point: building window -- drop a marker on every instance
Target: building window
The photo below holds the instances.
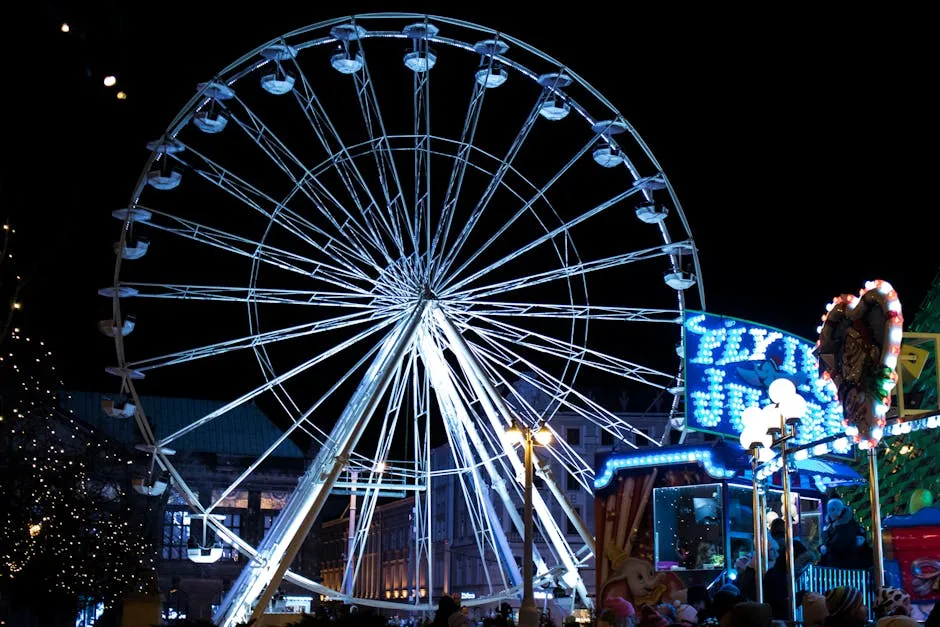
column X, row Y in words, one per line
column 607, row 438
column 571, row 483
column 572, row 530
column 641, row 440
column 573, row 436
column 175, row 534
column 269, row 521
column 234, row 523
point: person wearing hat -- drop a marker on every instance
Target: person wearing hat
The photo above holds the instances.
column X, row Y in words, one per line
column 892, row 602
column 846, row 608
column 898, row 621
column 814, row 610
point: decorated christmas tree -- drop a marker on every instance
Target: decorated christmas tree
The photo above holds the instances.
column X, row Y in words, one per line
column 71, row 532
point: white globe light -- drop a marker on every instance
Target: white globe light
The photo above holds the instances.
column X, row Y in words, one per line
column 771, row 417
column 767, row 440
column 754, row 435
column 781, row 389
column 751, row 417
column 793, row 407
column 765, row 455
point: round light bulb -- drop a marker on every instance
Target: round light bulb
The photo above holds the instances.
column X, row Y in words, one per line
column 751, row 417
column 110, row 81
column 793, row 407
column 771, row 417
column 543, row 436
column 781, row 389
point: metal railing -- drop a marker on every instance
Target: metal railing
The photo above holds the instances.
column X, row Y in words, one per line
column 819, row 579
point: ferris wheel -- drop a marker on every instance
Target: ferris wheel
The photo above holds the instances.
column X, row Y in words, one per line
column 407, row 229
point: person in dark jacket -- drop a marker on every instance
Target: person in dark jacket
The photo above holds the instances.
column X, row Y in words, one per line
column 843, row 538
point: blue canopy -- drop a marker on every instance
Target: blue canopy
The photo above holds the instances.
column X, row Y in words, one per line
column 837, row 473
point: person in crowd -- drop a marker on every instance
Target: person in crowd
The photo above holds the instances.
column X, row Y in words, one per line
column 446, row 607
column 686, row 615
column 892, row 602
column 814, row 609
column 698, row 597
column 748, row 614
column 649, row 617
column 898, row 621
column 724, row 600
column 801, row 555
column 846, row 608
column 844, row 544
column 667, row 611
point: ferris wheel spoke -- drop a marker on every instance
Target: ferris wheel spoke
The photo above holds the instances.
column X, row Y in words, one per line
column 460, row 436
column 257, row 295
column 306, row 365
column 518, row 214
column 345, row 166
column 422, row 153
column 304, row 180
column 260, row 339
column 461, row 160
column 499, row 356
column 575, row 270
column 384, row 158
column 517, row 336
column 491, row 188
column 547, row 237
column 264, row 204
column 567, row 312
column 243, row 246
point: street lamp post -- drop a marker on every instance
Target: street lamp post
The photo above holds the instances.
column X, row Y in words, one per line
column 528, row 612
column 780, row 419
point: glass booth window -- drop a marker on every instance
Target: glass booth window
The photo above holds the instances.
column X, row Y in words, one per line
column 741, row 522
column 689, row 525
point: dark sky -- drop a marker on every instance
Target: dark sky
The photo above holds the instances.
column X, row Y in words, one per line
column 798, row 142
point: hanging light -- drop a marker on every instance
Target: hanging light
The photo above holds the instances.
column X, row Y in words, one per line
column 543, row 435
column 515, row 434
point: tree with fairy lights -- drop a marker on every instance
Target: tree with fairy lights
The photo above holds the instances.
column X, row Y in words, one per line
column 72, row 532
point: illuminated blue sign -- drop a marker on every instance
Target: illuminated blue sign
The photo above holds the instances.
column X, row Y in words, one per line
column 730, row 363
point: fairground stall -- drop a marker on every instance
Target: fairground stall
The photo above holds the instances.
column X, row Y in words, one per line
column 672, row 517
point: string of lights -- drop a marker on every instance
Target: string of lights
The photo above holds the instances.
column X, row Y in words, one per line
column 71, row 528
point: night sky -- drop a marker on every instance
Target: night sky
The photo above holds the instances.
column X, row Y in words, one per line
column 798, row 144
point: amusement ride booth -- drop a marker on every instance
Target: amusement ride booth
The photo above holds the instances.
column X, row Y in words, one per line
column 782, row 417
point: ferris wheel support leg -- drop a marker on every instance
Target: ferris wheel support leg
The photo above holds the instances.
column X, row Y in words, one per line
column 435, row 363
column 548, row 478
column 283, row 541
column 494, row 406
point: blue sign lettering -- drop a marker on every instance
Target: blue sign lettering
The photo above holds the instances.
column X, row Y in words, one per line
column 730, row 363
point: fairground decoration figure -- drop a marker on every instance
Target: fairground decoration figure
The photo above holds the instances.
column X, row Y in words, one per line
column 858, row 347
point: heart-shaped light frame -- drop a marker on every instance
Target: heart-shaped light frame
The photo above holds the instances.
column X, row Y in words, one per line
column 865, row 390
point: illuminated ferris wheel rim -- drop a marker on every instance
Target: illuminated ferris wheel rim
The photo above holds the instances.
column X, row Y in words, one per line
column 255, row 60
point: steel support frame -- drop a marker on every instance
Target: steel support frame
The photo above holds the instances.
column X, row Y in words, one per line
column 494, row 406
column 283, row 541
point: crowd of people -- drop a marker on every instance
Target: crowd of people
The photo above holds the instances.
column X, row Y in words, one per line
column 843, row 545
column 839, row 607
